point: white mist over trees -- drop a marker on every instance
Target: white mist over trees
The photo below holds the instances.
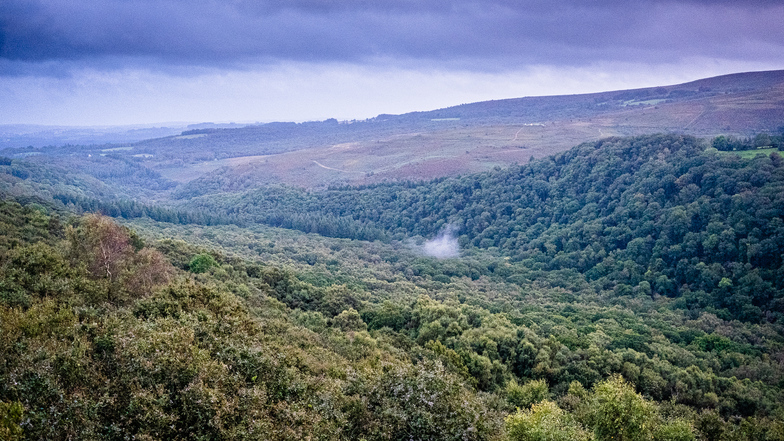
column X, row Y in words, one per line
column 444, row 245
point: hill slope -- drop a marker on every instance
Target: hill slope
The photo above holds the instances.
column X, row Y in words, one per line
column 655, row 214
column 477, row 137
column 160, row 339
column 462, row 139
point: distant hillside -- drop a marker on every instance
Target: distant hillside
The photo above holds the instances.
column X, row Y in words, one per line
column 479, row 136
column 718, row 91
column 446, row 142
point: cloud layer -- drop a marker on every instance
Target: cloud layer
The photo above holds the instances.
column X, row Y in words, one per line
column 141, row 61
column 479, row 35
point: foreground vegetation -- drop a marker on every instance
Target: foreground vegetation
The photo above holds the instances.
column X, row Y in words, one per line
column 105, row 336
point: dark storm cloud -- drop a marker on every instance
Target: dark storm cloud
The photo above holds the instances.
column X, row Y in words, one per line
column 41, row 35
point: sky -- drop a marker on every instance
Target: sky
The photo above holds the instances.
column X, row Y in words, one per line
column 115, row 62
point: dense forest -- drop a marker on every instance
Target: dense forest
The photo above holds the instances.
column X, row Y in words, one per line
column 108, row 336
column 627, row 289
column 655, row 216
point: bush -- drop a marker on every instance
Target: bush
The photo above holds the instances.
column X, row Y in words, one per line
column 201, row 263
column 545, row 421
column 10, row 418
column 528, row 394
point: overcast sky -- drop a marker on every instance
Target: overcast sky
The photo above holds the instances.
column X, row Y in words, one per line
column 102, row 62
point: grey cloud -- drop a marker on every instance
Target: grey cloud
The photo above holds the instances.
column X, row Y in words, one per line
column 482, row 35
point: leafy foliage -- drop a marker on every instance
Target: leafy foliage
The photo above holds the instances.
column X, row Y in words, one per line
column 89, row 356
column 10, row 418
column 528, row 394
column 602, row 264
column 201, row 263
column 618, row 412
column 647, row 216
column 761, row 140
column 545, row 421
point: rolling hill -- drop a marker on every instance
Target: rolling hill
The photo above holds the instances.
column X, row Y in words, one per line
column 456, row 140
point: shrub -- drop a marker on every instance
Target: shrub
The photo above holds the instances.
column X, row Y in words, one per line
column 545, row 421
column 528, row 394
column 10, row 418
column 201, row 263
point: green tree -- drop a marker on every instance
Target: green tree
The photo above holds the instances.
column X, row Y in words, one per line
column 349, row 320
column 618, row 413
column 415, row 403
column 528, row 394
column 677, row 430
column 545, row 421
column 201, row 263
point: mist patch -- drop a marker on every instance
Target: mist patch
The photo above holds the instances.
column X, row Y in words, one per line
column 443, row 246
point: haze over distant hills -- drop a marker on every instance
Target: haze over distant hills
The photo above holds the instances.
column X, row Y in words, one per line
column 24, row 135
column 454, row 140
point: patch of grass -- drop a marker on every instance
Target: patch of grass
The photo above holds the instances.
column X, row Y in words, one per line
column 748, row 154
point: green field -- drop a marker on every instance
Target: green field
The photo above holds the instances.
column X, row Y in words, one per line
column 748, row 154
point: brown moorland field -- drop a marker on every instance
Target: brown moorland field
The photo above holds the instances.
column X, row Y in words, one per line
column 481, row 136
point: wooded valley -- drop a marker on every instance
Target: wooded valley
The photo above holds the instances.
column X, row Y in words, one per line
column 630, row 288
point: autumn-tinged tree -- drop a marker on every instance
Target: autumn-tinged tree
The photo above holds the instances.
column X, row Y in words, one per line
column 109, row 252
column 102, row 245
column 147, row 269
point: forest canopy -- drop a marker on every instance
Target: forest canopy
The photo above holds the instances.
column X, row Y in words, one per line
column 626, row 289
column 654, row 215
